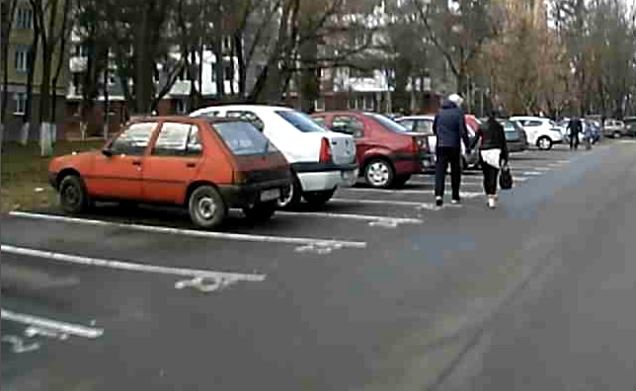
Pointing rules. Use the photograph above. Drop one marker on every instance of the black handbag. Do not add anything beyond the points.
(505, 179)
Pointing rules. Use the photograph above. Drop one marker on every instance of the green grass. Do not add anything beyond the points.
(24, 174)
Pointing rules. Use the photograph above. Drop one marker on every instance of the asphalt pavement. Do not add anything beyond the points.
(378, 290)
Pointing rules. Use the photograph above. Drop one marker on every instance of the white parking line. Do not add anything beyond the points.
(417, 205)
(467, 194)
(50, 324)
(532, 173)
(397, 220)
(331, 243)
(131, 266)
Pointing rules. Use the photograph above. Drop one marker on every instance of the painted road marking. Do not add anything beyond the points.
(322, 243)
(373, 220)
(417, 205)
(214, 277)
(533, 173)
(466, 194)
(50, 324)
(17, 344)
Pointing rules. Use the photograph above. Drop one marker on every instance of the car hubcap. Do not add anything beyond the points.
(207, 207)
(284, 201)
(71, 195)
(545, 143)
(378, 174)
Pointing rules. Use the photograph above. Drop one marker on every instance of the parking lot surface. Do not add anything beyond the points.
(376, 290)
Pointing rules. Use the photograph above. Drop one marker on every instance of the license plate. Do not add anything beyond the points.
(269, 195)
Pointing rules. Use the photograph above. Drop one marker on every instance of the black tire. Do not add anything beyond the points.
(73, 195)
(401, 180)
(544, 143)
(261, 211)
(206, 207)
(318, 198)
(379, 173)
(294, 195)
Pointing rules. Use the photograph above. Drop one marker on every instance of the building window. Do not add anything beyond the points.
(360, 73)
(319, 104)
(228, 73)
(21, 59)
(81, 50)
(182, 106)
(20, 103)
(24, 18)
(227, 44)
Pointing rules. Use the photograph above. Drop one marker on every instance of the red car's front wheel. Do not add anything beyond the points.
(73, 195)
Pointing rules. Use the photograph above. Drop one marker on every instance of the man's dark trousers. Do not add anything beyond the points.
(574, 140)
(446, 155)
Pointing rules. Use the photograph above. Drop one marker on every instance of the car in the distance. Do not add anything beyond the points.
(516, 139)
(204, 165)
(614, 128)
(320, 160)
(542, 132)
(388, 153)
(630, 123)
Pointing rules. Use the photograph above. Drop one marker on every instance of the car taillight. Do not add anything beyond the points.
(419, 144)
(325, 151)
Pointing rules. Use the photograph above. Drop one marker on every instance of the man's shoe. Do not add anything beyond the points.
(492, 202)
(456, 201)
(439, 201)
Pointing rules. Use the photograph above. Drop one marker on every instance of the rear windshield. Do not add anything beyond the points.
(243, 138)
(301, 121)
(388, 123)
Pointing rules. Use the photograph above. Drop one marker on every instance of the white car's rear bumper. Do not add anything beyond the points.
(327, 180)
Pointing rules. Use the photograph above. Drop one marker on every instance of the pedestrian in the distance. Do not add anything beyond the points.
(450, 129)
(493, 155)
(575, 126)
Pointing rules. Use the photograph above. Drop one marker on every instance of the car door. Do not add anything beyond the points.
(173, 163)
(117, 174)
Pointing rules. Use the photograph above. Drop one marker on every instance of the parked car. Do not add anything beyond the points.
(630, 123)
(204, 165)
(388, 154)
(614, 128)
(516, 138)
(321, 160)
(424, 124)
(542, 132)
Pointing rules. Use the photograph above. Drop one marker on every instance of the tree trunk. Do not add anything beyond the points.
(143, 69)
(32, 60)
(240, 56)
(106, 120)
(8, 12)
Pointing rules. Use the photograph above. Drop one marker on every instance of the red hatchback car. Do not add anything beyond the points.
(388, 154)
(205, 165)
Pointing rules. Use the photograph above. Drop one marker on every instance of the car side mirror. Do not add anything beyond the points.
(107, 152)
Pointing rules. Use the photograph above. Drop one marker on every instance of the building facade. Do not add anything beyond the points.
(20, 41)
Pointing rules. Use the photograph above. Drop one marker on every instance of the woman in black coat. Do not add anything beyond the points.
(492, 156)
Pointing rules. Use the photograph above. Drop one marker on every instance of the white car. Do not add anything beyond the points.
(321, 160)
(542, 132)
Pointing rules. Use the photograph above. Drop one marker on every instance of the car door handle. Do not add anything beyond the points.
(136, 162)
(191, 165)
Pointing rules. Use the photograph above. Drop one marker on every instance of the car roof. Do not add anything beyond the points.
(251, 107)
(185, 119)
(421, 116)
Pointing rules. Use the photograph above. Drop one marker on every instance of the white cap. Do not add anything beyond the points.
(455, 98)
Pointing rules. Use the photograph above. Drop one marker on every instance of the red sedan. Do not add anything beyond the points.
(388, 154)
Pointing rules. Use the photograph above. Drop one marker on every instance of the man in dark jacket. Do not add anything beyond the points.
(575, 126)
(450, 129)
